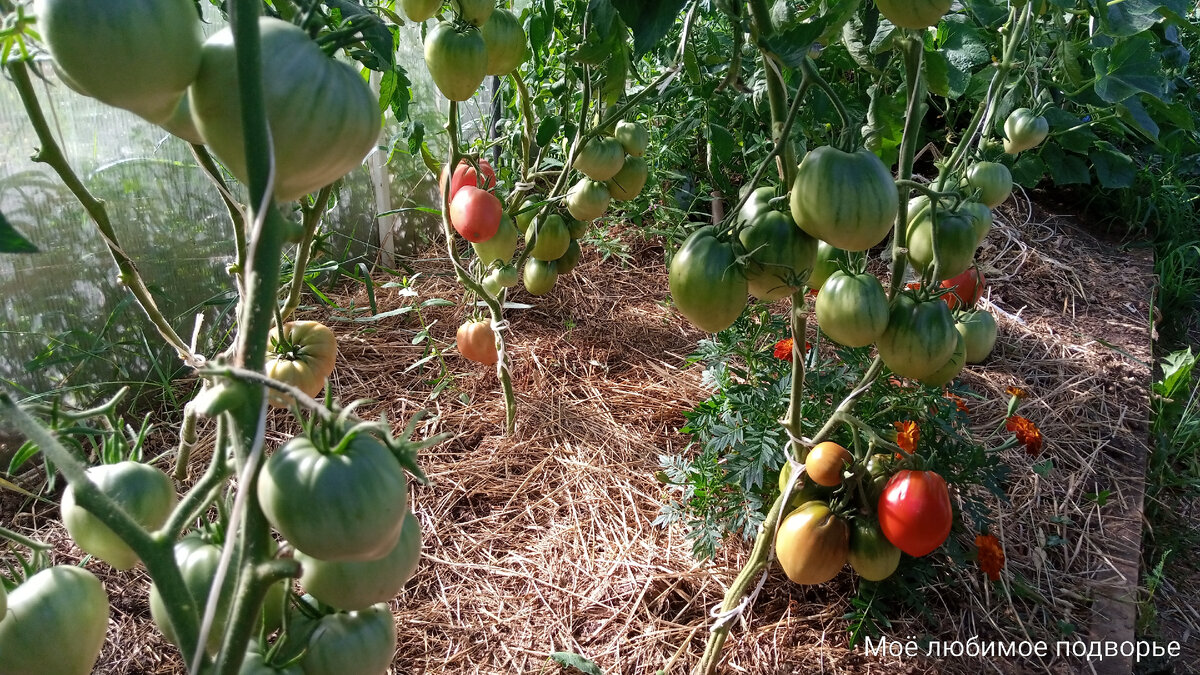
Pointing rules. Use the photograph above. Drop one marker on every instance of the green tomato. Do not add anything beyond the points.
(346, 505)
(633, 137)
(956, 242)
(353, 643)
(181, 124)
(913, 13)
(981, 219)
(993, 180)
(600, 159)
(142, 491)
(920, 337)
(757, 203)
(358, 585)
(707, 285)
(569, 260)
(420, 10)
(588, 200)
(846, 199)
(553, 238)
(198, 561)
(501, 246)
(255, 663)
(507, 276)
(942, 376)
(526, 213)
(780, 255)
(139, 55)
(812, 544)
(55, 624)
(539, 276)
(491, 284)
(879, 471)
(978, 329)
(456, 56)
(577, 228)
(872, 556)
(324, 118)
(3, 600)
(505, 40)
(826, 264)
(1023, 130)
(474, 12)
(629, 181)
(852, 309)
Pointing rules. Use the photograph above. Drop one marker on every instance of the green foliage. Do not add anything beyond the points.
(723, 487)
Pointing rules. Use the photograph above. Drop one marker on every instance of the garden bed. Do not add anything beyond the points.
(544, 541)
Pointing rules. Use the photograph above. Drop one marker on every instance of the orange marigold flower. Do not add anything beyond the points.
(1017, 392)
(959, 403)
(991, 555)
(907, 435)
(1027, 434)
(783, 349)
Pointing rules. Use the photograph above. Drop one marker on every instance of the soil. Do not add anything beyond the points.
(545, 541)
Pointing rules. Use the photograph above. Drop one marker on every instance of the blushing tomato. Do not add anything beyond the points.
(142, 491)
(475, 214)
(477, 342)
(965, 289)
(812, 544)
(343, 503)
(852, 309)
(304, 358)
(465, 174)
(55, 623)
(914, 511)
(872, 556)
(826, 462)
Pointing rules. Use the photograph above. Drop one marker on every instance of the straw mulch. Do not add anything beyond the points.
(544, 541)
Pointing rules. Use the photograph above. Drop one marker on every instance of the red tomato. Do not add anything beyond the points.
(966, 288)
(475, 214)
(914, 511)
(465, 174)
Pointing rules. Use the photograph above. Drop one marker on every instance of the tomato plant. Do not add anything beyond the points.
(633, 137)
(589, 199)
(950, 370)
(914, 511)
(142, 491)
(55, 623)
(628, 183)
(827, 261)
(780, 255)
(812, 544)
(420, 10)
(993, 180)
(539, 276)
(553, 238)
(465, 174)
(500, 246)
(600, 159)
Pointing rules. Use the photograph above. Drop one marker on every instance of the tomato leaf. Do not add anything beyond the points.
(651, 20)
(11, 241)
(1131, 110)
(576, 662)
(1114, 169)
(1065, 168)
(382, 52)
(1130, 17)
(1028, 170)
(792, 45)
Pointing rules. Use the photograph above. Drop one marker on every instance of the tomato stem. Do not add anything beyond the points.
(913, 52)
(311, 220)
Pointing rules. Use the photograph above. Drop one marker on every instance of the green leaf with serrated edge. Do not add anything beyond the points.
(11, 241)
(1114, 169)
(1131, 110)
(651, 20)
(375, 33)
(402, 95)
(1028, 170)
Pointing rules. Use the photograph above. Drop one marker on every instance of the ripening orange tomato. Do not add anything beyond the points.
(477, 342)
